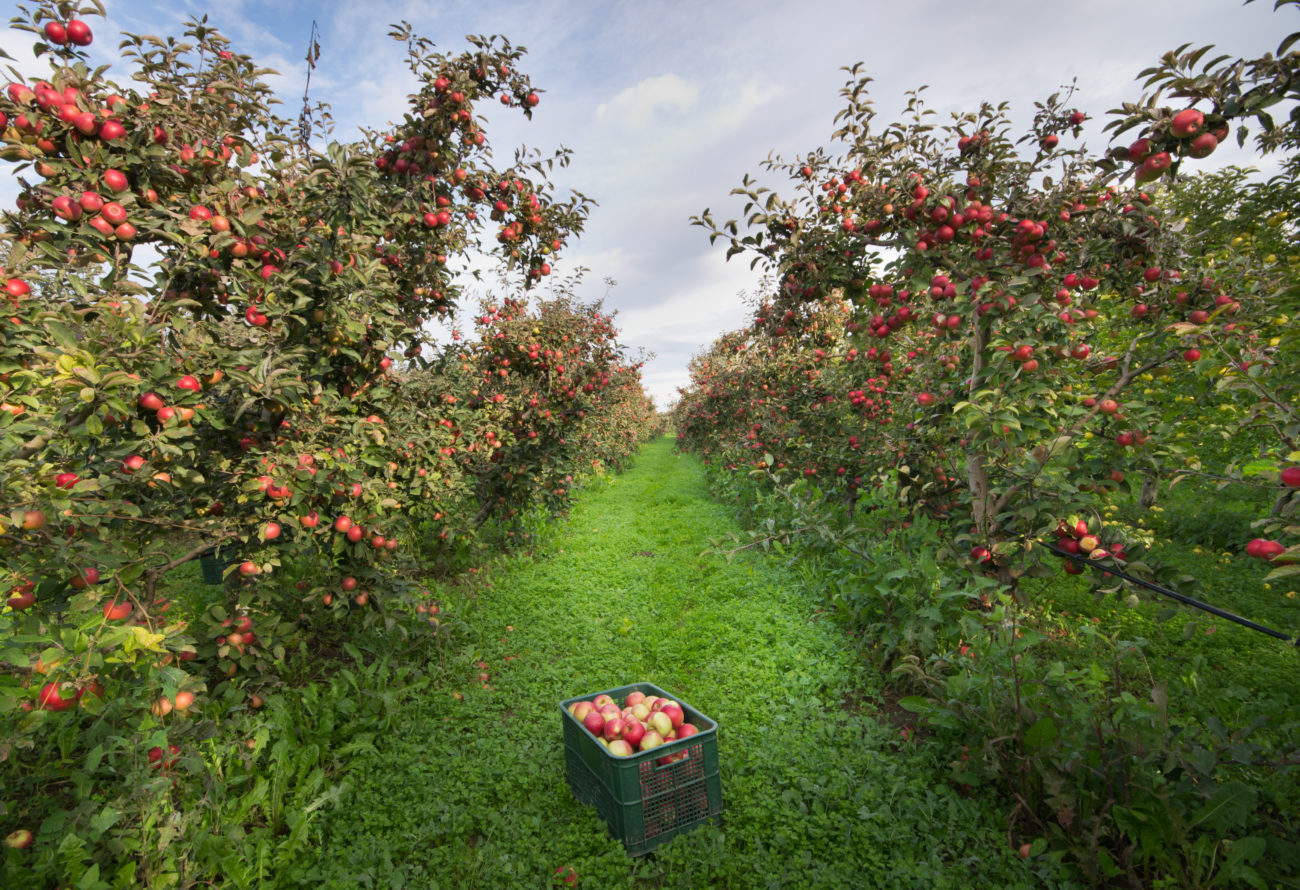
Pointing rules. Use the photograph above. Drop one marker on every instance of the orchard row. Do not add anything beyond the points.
(260, 385)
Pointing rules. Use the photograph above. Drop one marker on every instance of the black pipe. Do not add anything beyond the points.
(1182, 598)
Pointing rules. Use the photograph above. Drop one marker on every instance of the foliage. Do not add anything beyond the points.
(978, 344)
(215, 344)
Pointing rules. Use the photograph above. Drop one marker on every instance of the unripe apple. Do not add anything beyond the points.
(621, 748)
(660, 722)
(652, 739)
(19, 840)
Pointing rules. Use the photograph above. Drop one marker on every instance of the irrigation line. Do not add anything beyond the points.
(1173, 594)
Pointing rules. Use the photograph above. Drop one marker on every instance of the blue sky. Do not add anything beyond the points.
(668, 104)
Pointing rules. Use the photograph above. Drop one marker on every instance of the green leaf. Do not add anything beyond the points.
(1040, 735)
(917, 704)
(1228, 808)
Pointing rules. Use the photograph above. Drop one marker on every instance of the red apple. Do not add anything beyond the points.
(115, 180)
(85, 577)
(581, 709)
(633, 732)
(633, 698)
(311, 520)
(270, 531)
(1203, 145)
(674, 712)
(22, 597)
(115, 611)
(1187, 123)
(1291, 477)
(686, 730)
(114, 213)
(79, 33)
(613, 729)
(595, 723)
(51, 699)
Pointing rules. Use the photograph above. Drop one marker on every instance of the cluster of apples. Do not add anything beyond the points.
(643, 723)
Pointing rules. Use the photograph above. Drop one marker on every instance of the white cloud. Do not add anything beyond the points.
(635, 106)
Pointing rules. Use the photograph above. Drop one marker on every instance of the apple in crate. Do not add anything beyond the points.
(640, 710)
(601, 700)
(613, 729)
(674, 712)
(658, 704)
(660, 723)
(610, 711)
(651, 739)
(633, 732)
(633, 699)
(595, 723)
(649, 701)
(620, 748)
(581, 709)
(686, 730)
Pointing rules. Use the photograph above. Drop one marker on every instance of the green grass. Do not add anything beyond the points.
(467, 788)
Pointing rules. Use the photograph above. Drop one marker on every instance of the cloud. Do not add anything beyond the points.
(634, 107)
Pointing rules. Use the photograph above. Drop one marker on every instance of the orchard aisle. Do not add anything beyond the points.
(471, 793)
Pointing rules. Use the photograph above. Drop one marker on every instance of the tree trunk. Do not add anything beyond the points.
(1150, 483)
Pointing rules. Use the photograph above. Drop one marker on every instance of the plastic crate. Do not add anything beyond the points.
(213, 564)
(643, 802)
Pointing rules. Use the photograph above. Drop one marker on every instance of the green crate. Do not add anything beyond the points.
(213, 564)
(643, 802)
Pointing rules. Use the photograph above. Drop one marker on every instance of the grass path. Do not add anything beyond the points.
(471, 792)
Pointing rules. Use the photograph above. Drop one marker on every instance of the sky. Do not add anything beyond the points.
(667, 105)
